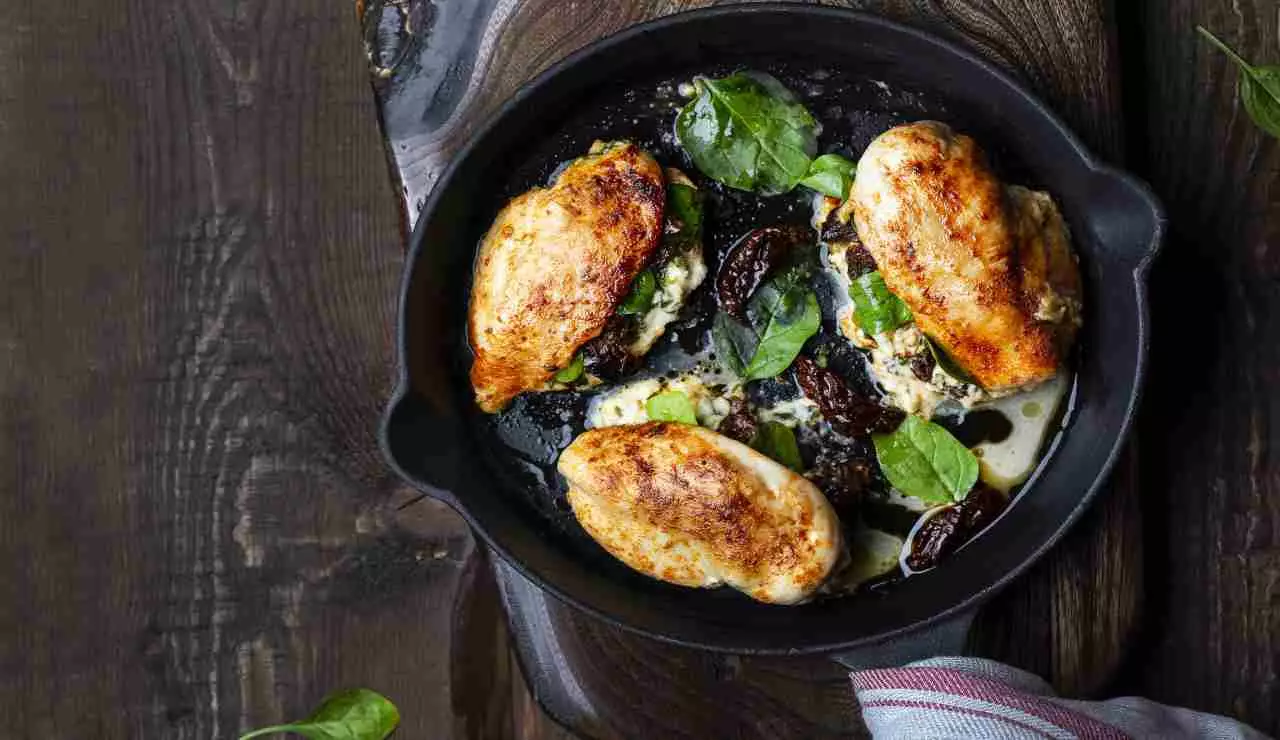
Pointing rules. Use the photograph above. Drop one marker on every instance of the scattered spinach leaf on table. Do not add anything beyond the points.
(355, 714)
(1259, 87)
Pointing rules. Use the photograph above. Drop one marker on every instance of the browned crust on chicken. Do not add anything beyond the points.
(554, 266)
(689, 506)
(950, 241)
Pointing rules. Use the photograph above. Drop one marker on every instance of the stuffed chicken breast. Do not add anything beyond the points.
(688, 506)
(985, 271)
(569, 278)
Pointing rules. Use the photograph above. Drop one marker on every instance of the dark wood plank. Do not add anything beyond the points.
(1210, 427)
(1070, 619)
(197, 282)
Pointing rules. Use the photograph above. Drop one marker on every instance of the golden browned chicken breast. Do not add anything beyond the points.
(555, 265)
(986, 270)
(691, 507)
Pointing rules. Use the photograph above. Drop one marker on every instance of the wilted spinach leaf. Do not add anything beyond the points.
(830, 174)
(781, 316)
(357, 714)
(922, 459)
(789, 313)
(641, 296)
(748, 132)
(572, 371)
(735, 343)
(778, 441)
(684, 206)
(948, 363)
(1259, 87)
(875, 309)
(671, 406)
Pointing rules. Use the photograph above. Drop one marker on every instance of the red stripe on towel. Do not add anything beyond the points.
(963, 683)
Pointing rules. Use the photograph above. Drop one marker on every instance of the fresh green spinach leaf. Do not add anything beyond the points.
(748, 132)
(572, 371)
(781, 316)
(830, 174)
(922, 459)
(1259, 87)
(875, 309)
(785, 313)
(671, 406)
(778, 441)
(640, 298)
(357, 714)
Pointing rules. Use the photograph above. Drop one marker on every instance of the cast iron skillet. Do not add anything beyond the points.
(436, 438)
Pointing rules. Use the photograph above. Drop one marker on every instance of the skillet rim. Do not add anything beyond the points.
(1090, 162)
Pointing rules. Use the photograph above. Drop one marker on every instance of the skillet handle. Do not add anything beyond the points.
(947, 637)
(422, 447)
(1126, 219)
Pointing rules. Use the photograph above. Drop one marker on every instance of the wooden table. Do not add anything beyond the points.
(197, 289)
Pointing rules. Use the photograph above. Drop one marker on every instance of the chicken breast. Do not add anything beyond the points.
(688, 506)
(555, 265)
(986, 270)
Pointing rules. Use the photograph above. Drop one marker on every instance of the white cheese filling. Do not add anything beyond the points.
(626, 404)
(679, 278)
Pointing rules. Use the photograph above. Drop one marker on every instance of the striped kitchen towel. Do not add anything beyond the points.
(967, 698)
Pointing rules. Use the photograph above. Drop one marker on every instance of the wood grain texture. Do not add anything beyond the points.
(1211, 426)
(197, 286)
(1069, 620)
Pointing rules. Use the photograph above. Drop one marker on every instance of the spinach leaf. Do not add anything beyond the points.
(1259, 87)
(948, 363)
(684, 203)
(641, 296)
(875, 309)
(781, 316)
(830, 174)
(922, 459)
(357, 714)
(778, 441)
(671, 406)
(572, 371)
(785, 313)
(734, 343)
(748, 132)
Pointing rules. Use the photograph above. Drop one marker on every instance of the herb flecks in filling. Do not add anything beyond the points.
(904, 361)
(655, 296)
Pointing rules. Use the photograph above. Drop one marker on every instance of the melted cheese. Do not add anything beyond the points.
(625, 405)
(798, 411)
(679, 278)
